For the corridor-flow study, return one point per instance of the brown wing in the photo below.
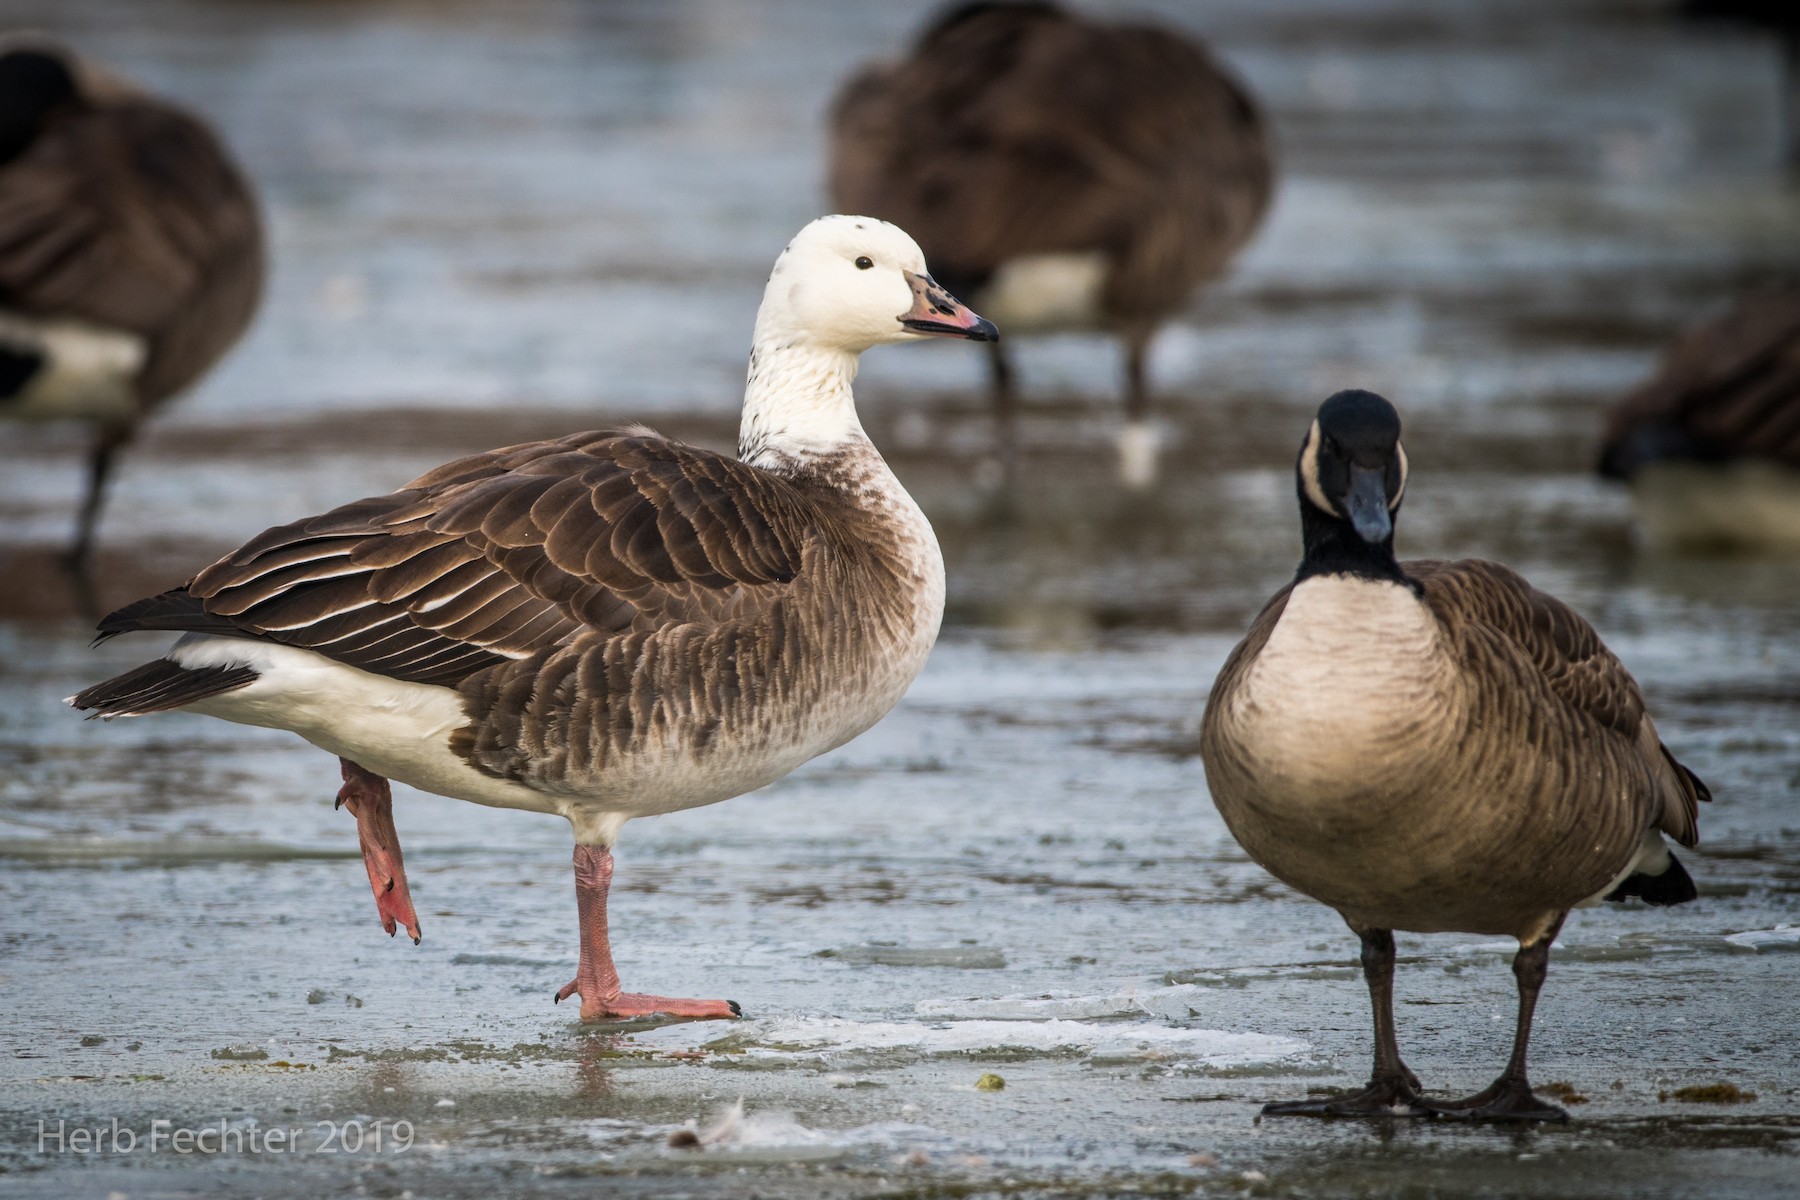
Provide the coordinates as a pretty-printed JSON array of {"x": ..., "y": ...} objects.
[
  {"x": 1729, "y": 388},
  {"x": 1016, "y": 130},
  {"x": 128, "y": 213},
  {"x": 501, "y": 555},
  {"x": 1493, "y": 610}
]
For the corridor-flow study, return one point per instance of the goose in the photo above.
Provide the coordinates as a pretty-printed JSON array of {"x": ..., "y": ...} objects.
[
  {"x": 131, "y": 253},
  {"x": 1434, "y": 746},
  {"x": 1061, "y": 173},
  {"x": 606, "y": 625},
  {"x": 1711, "y": 444}
]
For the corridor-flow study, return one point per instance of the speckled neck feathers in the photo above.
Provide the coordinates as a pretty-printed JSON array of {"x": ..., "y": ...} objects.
[{"x": 798, "y": 404}]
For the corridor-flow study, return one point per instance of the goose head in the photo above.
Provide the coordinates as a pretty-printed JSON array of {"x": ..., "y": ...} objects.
[
  {"x": 1352, "y": 468},
  {"x": 33, "y": 84},
  {"x": 848, "y": 283}
]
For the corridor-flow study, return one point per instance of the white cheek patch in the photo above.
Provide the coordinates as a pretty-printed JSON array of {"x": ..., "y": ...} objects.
[
  {"x": 1400, "y": 492},
  {"x": 1309, "y": 471}
]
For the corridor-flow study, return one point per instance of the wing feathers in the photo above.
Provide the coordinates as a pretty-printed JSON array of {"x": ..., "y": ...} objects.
[{"x": 502, "y": 555}]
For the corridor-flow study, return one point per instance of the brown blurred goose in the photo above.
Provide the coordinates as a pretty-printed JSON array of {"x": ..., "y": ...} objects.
[
  {"x": 131, "y": 254},
  {"x": 1434, "y": 746},
  {"x": 1711, "y": 443},
  {"x": 604, "y": 626},
  {"x": 1067, "y": 173}
]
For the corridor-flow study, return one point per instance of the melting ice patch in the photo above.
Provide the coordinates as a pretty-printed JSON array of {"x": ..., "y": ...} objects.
[
  {"x": 1760, "y": 941},
  {"x": 1200, "y": 1047},
  {"x": 776, "y": 1136},
  {"x": 1178, "y": 1002}
]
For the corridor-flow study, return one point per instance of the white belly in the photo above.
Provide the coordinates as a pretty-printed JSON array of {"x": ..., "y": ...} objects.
[
  {"x": 402, "y": 731},
  {"x": 90, "y": 372},
  {"x": 1045, "y": 292}
]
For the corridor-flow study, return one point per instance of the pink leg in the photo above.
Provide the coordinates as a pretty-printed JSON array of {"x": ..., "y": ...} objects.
[
  {"x": 369, "y": 800},
  {"x": 597, "y": 980}
]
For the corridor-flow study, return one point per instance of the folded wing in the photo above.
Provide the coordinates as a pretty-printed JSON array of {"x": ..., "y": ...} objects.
[{"x": 501, "y": 555}]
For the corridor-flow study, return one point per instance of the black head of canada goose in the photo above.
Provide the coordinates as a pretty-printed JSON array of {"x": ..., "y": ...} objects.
[
  {"x": 131, "y": 252},
  {"x": 1434, "y": 746},
  {"x": 1060, "y": 173},
  {"x": 604, "y": 626},
  {"x": 1711, "y": 443}
]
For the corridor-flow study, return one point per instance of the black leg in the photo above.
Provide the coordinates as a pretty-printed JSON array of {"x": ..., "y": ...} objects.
[
  {"x": 1509, "y": 1098},
  {"x": 1006, "y": 409},
  {"x": 1393, "y": 1091},
  {"x": 100, "y": 465}
]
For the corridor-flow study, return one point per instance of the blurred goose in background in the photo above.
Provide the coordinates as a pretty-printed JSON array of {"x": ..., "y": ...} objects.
[
  {"x": 1711, "y": 443},
  {"x": 1060, "y": 173},
  {"x": 604, "y": 626},
  {"x": 131, "y": 253},
  {"x": 1782, "y": 19},
  {"x": 1434, "y": 746}
]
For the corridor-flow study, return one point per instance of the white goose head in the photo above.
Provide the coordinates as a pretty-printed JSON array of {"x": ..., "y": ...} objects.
[
  {"x": 1351, "y": 477},
  {"x": 849, "y": 283},
  {"x": 843, "y": 285}
]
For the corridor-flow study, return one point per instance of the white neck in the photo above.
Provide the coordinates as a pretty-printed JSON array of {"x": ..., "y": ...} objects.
[{"x": 797, "y": 400}]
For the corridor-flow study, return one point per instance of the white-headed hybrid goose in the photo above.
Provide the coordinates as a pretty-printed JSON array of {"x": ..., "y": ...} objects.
[
  {"x": 1061, "y": 173},
  {"x": 1711, "y": 443},
  {"x": 1434, "y": 746},
  {"x": 605, "y": 626},
  {"x": 131, "y": 253}
]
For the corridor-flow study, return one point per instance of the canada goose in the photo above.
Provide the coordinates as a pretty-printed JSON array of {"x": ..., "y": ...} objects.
[
  {"x": 1711, "y": 443},
  {"x": 1434, "y": 746},
  {"x": 1061, "y": 173},
  {"x": 131, "y": 253},
  {"x": 605, "y": 626}
]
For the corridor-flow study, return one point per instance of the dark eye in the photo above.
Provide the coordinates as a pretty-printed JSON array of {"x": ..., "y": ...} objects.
[{"x": 864, "y": 263}]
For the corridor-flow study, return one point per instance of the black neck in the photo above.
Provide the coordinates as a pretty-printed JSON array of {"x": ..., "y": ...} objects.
[{"x": 1333, "y": 547}]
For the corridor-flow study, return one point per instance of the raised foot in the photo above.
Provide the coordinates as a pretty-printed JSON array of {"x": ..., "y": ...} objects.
[
  {"x": 627, "y": 1005},
  {"x": 1503, "y": 1100},
  {"x": 1391, "y": 1097},
  {"x": 369, "y": 800}
]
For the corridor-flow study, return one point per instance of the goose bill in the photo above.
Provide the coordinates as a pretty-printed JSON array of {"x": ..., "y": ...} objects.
[
  {"x": 936, "y": 312},
  {"x": 1366, "y": 504}
]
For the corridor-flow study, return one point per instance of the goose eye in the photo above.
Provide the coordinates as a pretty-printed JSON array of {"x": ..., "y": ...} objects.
[{"x": 864, "y": 263}]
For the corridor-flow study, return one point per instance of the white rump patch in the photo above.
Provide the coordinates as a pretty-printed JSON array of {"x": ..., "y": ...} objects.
[
  {"x": 396, "y": 729},
  {"x": 90, "y": 371},
  {"x": 1747, "y": 504},
  {"x": 1044, "y": 292}
]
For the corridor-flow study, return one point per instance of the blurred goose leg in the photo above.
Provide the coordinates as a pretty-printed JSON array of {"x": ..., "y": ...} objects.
[
  {"x": 596, "y": 979},
  {"x": 1006, "y": 409},
  {"x": 107, "y": 442},
  {"x": 1138, "y": 449},
  {"x": 371, "y": 802}
]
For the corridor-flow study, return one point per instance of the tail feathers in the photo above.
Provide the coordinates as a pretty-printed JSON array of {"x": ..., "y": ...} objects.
[
  {"x": 177, "y": 610},
  {"x": 157, "y": 687},
  {"x": 18, "y": 366},
  {"x": 1673, "y": 886}
]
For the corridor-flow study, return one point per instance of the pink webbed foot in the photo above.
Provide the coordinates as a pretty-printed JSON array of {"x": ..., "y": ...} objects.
[
  {"x": 597, "y": 980},
  {"x": 371, "y": 802}
]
